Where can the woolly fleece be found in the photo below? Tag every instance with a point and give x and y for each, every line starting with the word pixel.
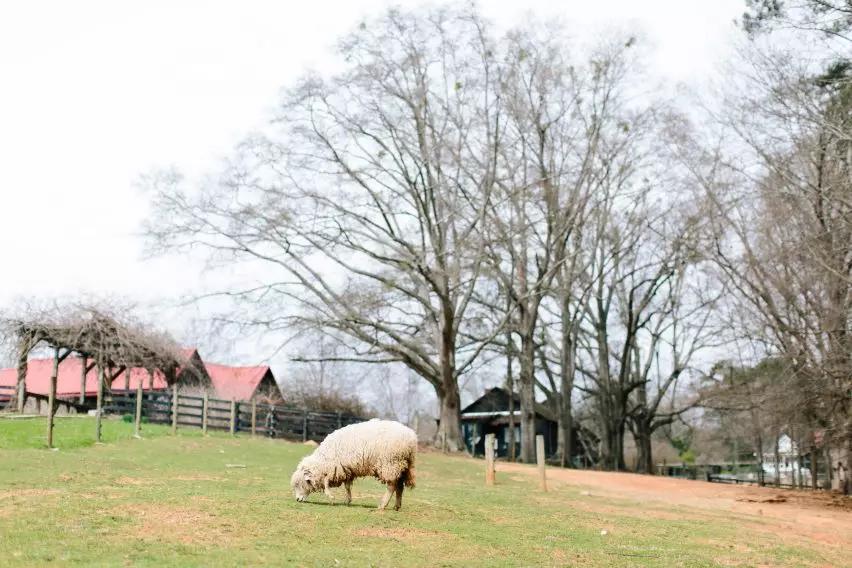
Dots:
pixel 384 449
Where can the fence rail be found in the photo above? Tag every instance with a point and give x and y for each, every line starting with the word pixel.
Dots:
pixel 226 415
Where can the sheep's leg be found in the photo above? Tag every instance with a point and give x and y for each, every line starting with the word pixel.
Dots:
pixel 387 496
pixel 400 485
pixel 348 486
pixel 328 492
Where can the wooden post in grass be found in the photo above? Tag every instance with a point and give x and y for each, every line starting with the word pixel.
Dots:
pixel 51 398
pixel 233 415
pixel 138 432
pixel 204 406
pixel 253 418
pixel 539 452
pixel 174 408
pixel 305 428
pixel 489 459
pixel 99 406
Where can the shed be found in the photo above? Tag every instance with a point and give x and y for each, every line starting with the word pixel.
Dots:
pixel 489 414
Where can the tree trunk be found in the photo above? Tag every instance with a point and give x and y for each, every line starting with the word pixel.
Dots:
pixel 777 463
pixel 644 456
pixel 759 452
pixel 619 446
pixel 19 397
pixel 83 367
pixel 566 417
pixel 449 436
pixel 510 386
pixel 527 399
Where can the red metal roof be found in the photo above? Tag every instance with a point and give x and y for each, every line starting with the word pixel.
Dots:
pixel 229 382
pixel 235 382
pixel 68 379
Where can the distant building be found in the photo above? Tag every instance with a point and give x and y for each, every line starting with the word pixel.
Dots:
pixel 489 414
pixel 194 375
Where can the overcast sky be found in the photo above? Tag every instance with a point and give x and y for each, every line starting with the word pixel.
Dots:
pixel 93 93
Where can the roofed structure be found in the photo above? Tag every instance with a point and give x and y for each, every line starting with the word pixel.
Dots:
pixel 224 381
pixel 489 414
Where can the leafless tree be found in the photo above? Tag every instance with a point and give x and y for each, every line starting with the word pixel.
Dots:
pixel 567 127
pixel 364 207
pixel 102 331
pixel 778 190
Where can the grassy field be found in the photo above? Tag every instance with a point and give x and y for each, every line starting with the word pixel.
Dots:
pixel 173 501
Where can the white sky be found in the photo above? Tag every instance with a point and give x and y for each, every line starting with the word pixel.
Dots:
pixel 93 93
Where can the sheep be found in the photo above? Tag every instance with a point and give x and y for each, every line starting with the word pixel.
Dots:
pixel 384 449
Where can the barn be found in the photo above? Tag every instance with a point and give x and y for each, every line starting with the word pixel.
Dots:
pixel 77 381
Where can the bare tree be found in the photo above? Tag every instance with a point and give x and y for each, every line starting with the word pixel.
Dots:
pixel 104 332
pixel 364 208
pixel 829 18
pixel 563 123
pixel 779 201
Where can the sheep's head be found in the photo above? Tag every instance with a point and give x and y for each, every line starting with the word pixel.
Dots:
pixel 303 482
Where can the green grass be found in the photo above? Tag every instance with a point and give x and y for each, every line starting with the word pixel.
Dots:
pixel 171 501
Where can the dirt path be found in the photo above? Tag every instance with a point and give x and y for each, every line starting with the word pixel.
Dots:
pixel 823 517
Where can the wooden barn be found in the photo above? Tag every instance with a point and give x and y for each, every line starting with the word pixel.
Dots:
pixel 489 414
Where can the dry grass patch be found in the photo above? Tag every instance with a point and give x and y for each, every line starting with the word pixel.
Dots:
pixel 181 524
pixel 407 535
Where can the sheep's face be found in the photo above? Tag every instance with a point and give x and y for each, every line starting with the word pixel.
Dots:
pixel 302 483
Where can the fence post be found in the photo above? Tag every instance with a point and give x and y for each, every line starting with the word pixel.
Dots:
pixel 51 398
pixel 539 451
pixel 253 418
pixel 233 416
pixel 204 413
pixel 174 408
pixel 305 427
pixel 100 403
pixel 138 433
pixel 489 459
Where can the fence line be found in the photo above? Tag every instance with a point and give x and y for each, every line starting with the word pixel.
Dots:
pixel 291 423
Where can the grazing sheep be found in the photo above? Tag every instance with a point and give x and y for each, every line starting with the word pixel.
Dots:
pixel 383 449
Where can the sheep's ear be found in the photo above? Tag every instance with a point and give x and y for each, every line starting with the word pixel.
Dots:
pixel 308 476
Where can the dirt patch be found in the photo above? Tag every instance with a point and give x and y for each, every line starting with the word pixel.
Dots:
pixel 132 481
pixel 183 524
pixel 107 496
pixel 5 494
pixel 407 534
pixel 198 478
pixel 815 517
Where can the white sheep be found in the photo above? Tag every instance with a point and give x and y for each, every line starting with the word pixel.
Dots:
pixel 383 449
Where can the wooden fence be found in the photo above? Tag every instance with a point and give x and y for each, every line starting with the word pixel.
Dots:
pixel 228 415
